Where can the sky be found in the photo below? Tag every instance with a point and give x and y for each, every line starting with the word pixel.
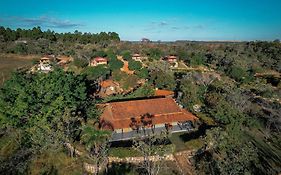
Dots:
pixel 165 20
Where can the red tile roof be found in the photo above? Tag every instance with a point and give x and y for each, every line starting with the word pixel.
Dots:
pixel 100 59
pixel 164 110
pixel 161 92
pixel 108 83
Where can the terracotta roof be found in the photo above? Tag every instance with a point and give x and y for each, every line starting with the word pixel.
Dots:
pixel 108 83
pixel 172 57
pixel 136 55
pixel 164 110
pixel 100 59
pixel 161 92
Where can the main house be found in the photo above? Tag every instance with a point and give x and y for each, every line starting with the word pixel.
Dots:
pixel 128 119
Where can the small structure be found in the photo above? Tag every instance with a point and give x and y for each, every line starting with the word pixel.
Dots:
pixel 145 40
pixel 172 60
pixel 63 60
pixel 109 87
pixel 98 61
pixel 21 41
pixel 164 93
pixel 129 119
pixel 45 64
pixel 136 57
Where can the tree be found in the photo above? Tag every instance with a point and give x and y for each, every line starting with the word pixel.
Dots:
pixel 126 55
pixel 198 59
pixel 135 65
pixel 48 109
pixel 238 73
pixel 93 73
pixel 114 63
pixel 150 146
pixel 96 142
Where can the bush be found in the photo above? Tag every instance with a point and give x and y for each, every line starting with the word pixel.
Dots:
pixel 80 63
pixel 135 65
pixel 126 55
pixel 93 73
pixel 197 60
pixel 114 63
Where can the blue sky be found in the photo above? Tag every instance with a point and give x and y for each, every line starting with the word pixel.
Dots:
pixel 165 20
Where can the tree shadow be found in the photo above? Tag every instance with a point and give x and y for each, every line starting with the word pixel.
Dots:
pixel 121 169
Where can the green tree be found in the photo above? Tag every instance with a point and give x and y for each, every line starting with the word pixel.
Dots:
pixel 93 73
pixel 96 142
pixel 126 55
pixel 135 65
pixel 114 63
pixel 48 109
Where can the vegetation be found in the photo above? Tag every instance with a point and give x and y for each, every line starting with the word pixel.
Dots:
pixel 239 110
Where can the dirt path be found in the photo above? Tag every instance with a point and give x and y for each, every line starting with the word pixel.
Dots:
pixel 125 67
pixel 183 162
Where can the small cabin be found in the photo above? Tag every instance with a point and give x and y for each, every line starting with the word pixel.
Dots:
pixel 45 63
pixel 98 61
pixel 136 57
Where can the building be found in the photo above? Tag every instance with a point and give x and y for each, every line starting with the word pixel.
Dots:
pixel 136 57
pixel 145 40
pixel 45 64
pixel 98 61
pixel 109 87
pixel 129 119
pixel 172 60
pixel 163 93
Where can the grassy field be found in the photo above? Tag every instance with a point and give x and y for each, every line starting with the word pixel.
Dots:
pixel 10 62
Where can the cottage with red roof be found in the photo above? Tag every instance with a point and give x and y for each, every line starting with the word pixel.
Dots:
pixel 128 119
pixel 109 87
pixel 98 61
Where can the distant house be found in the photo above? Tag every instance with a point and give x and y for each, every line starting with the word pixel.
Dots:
pixel 109 87
pixel 98 61
pixel 21 41
pixel 45 63
pixel 136 57
pixel 172 59
pixel 145 40
pixel 129 119
pixel 163 93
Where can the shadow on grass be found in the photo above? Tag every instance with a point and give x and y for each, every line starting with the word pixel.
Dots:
pixel 195 134
pixel 121 169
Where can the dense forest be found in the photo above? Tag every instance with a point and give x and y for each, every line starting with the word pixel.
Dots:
pixel 238 99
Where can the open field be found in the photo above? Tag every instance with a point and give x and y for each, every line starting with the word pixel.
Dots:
pixel 10 62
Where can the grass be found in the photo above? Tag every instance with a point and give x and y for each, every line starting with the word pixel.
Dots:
pixel 122 152
pixel 194 144
pixel 182 145
pixel 178 142
pixel 56 163
pixel 8 144
pixel 10 62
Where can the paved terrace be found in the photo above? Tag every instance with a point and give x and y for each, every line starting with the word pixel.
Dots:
pixel 143 132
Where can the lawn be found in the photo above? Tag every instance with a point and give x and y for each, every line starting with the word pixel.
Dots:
pixel 10 62
pixel 189 144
